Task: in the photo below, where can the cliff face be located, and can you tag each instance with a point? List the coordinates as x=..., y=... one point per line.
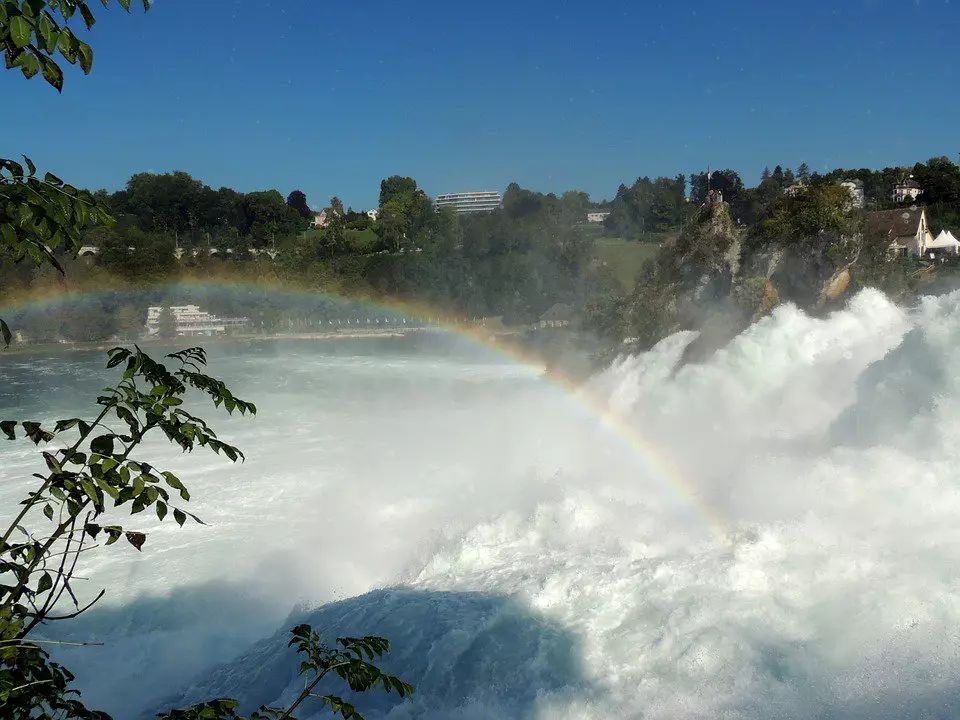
x=719, y=290
x=717, y=279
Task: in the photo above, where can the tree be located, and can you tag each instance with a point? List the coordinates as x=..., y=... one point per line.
x=298, y=201
x=268, y=217
x=38, y=215
x=336, y=206
x=166, y=324
x=166, y=203
x=939, y=180
x=803, y=172
x=397, y=189
x=130, y=322
x=392, y=225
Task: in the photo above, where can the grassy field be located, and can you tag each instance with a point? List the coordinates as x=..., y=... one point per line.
x=626, y=257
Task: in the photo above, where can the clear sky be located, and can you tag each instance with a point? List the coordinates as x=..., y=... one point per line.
x=330, y=97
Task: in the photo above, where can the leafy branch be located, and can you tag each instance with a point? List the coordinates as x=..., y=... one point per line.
x=352, y=661
x=34, y=32
x=95, y=472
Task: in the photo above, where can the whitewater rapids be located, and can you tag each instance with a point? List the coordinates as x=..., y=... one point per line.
x=777, y=534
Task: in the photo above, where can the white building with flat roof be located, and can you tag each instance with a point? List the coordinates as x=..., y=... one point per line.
x=468, y=202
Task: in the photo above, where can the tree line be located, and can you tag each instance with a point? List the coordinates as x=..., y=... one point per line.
x=515, y=262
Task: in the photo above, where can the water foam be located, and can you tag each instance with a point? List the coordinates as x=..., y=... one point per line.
x=538, y=572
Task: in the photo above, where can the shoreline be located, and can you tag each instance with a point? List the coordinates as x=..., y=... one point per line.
x=203, y=340
x=554, y=359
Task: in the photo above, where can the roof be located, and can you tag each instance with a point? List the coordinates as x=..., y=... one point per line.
x=943, y=240
x=560, y=311
x=894, y=223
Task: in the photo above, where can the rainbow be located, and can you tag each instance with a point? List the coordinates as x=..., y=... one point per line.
x=651, y=458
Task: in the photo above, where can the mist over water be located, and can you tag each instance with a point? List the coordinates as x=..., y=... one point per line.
x=526, y=560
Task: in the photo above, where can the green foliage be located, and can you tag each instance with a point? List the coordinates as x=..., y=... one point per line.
x=298, y=201
x=40, y=214
x=939, y=179
x=166, y=324
x=94, y=474
x=351, y=661
x=648, y=206
x=34, y=32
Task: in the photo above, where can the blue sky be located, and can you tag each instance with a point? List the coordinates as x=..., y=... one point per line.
x=331, y=97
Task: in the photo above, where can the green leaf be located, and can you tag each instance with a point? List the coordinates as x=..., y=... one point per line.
x=108, y=488
x=179, y=516
x=9, y=234
x=49, y=35
x=4, y=328
x=117, y=356
x=88, y=18
x=51, y=72
x=68, y=45
x=45, y=583
x=86, y=57
x=7, y=428
x=29, y=65
x=136, y=539
x=161, y=510
x=102, y=445
x=24, y=215
x=114, y=532
x=125, y=4
x=90, y=490
x=20, y=31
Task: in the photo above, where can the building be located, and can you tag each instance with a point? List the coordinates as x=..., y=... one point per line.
x=560, y=315
x=320, y=219
x=597, y=217
x=945, y=243
x=795, y=189
x=906, y=191
x=906, y=232
x=469, y=202
x=191, y=320
x=855, y=188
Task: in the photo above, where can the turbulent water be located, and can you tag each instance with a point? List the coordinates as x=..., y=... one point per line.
x=783, y=542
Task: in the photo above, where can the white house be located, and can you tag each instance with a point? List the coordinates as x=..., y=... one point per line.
x=320, y=219
x=597, y=217
x=906, y=191
x=855, y=188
